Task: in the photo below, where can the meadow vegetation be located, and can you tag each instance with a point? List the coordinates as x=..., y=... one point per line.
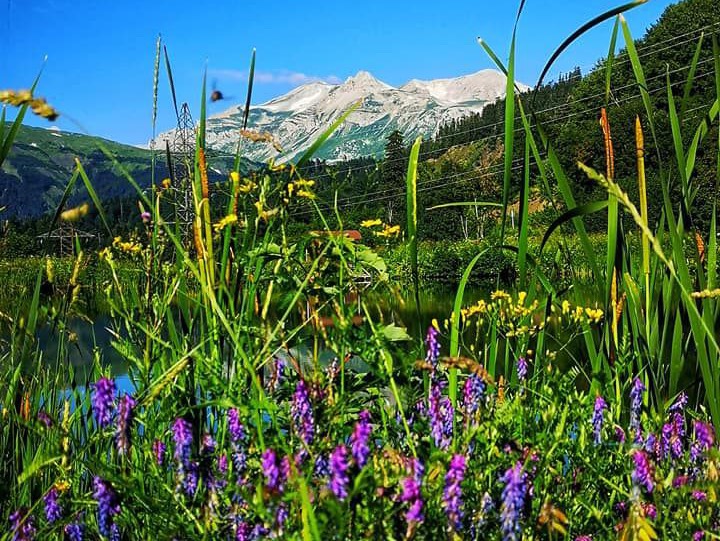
x=267, y=398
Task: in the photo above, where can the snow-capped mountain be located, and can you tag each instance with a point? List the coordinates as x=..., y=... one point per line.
x=298, y=118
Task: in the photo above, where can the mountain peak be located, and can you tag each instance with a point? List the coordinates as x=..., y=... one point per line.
x=364, y=79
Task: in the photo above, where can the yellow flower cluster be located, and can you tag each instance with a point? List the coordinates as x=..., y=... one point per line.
x=24, y=97
x=247, y=185
x=388, y=231
x=74, y=214
x=580, y=314
x=518, y=317
x=301, y=188
x=226, y=221
x=129, y=247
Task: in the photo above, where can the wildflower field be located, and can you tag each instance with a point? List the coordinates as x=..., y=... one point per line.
x=266, y=398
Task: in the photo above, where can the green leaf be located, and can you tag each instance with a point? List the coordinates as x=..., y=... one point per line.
x=393, y=333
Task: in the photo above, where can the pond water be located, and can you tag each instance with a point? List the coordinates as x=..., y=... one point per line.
x=93, y=336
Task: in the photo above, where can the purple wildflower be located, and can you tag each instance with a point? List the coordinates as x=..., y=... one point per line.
x=452, y=494
x=53, y=510
x=22, y=525
x=103, y=398
x=412, y=493
x=513, y=499
x=671, y=437
x=182, y=436
x=680, y=481
x=126, y=406
x=522, y=368
x=583, y=538
x=473, y=392
x=146, y=217
x=277, y=369
x=159, y=448
x=271, y=470
x=322, y=467
x=44, y=418
x=359, y=439
x=699, y=495
x=187, y=470
x=281, y=516
x=222, y=464
x=643, y=473
x=619, y=434
x=699, y=535
x=339, y=481
x=636, y=397
x=302, y=414
x=236, y=429
x=679, y=405
x=74, y=532
x=649, y=510
x=480, y=518
x=108, y=506
x=440, y=411
x=433, y=346
x=704, y=439
x=597, y=419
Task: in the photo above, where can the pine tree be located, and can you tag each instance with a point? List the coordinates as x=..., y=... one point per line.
x=393, y=175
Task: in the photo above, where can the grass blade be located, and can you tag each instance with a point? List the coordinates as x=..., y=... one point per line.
x=172, y=83
x=411, y=188
x=580, y=31
x=310, y=152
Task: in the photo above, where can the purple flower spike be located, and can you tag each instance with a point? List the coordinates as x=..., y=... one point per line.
x=513, y=500
x=433, y=346
x=339, y=481
x=452, y=494
x=522, y=368
x=272, y=471
x=159, y=448
x=636, y=397
x=103, y=398
x=302, y=414
x=597, y=419
x=108, y=506
x=45, y=419
x=441, y=413
x=236, y=429
x=359, y=439
x=679, y=405
x=126, y=408
x=182, y=436
x=53, y=511
x=22, y=525
x=704, y=439
x=74, y=532
x=643, y=473
x=473, y=393
x=412, y=494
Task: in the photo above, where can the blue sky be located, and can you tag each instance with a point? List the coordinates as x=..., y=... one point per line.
x=100, y=54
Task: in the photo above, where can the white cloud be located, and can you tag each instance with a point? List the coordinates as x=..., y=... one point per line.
x=274, y=77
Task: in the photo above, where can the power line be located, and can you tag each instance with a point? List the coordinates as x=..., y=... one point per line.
x=437, y=182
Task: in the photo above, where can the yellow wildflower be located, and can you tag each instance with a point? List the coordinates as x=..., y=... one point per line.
x=74, y=214
x=389, y=231
x=226, y=221
x=370, y=223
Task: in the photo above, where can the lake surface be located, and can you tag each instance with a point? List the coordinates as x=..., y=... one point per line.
x=93, y=337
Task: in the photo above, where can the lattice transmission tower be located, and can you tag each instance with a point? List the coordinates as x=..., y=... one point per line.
x=183, y=153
